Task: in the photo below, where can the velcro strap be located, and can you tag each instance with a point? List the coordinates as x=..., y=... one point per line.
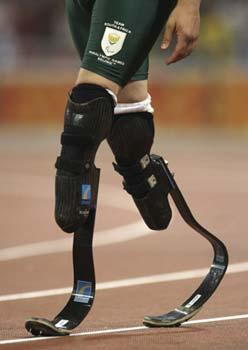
x=128, y=171
x=69, y=139
x=141, y=188
x=141, y=166
x=72, y=166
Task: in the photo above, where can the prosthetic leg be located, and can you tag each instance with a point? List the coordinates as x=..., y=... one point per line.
x=162, y=176
x=149, y=181
x=194, y=303
x=77, y=179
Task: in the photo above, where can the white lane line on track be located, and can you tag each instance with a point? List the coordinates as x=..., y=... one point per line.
x=130, y=282
x=107, y=237
x=125, y=233
x=123, y=330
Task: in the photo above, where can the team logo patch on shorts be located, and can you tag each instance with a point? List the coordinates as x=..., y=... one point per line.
x=83, y=292
x=112, y=41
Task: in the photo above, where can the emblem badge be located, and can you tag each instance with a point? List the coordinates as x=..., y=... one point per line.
x=86, y=194
x=112, y=41
x=83, y=292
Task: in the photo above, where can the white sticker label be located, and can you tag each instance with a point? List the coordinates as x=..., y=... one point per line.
x=112, y=41
x=193, y=301
x=61, y=323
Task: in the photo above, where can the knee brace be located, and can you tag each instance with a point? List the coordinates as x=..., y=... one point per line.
x=86, y=125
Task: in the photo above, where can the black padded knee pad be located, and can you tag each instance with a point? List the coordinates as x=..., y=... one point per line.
x=86, y=125
x=131, y=137
x=149, y=186
x=88, y=122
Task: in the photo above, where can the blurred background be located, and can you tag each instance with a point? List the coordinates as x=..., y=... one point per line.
x=38, y=64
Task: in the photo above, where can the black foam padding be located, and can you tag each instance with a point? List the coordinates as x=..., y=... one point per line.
x=67, y=205
x=131, y=137
x=89, y=122
x=83, y=93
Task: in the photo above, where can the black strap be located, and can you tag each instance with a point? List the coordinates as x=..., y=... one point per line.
x=78, y=140
x=72, y=166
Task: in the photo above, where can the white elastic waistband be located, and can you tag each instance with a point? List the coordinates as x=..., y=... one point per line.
x=113, y=96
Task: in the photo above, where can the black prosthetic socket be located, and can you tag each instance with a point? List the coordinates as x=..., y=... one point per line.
x=86, y=125
x=131, y=139
x=149, y=186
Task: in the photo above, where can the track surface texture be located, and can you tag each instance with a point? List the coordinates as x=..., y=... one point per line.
x=211, y=169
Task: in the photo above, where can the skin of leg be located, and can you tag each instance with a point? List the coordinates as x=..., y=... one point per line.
x=87, y=77
x=134, y=91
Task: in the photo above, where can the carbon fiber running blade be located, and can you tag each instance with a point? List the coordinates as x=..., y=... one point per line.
x=82, y=296
x=212, y=280
x=172, y=319
x=83, y=293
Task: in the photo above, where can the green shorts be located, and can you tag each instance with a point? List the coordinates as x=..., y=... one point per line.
x=114, y=37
